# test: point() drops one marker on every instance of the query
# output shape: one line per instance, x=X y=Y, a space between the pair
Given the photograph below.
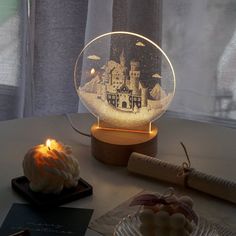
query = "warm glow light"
x=92 y=72
x=125 y=130
x=48 y=143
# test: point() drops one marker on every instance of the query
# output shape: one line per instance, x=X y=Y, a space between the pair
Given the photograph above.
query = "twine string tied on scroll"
x=186 y=167
x=183 y=175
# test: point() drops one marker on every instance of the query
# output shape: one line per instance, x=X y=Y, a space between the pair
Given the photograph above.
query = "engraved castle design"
x=122 y=89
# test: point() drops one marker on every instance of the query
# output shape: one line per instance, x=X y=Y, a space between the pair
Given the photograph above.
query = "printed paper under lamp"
x=126 y=81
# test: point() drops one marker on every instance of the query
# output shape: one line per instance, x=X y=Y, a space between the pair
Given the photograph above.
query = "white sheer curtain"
x=198 y=36
x=226 y=80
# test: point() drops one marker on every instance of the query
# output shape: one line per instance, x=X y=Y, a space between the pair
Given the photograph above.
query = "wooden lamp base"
x=114 y=147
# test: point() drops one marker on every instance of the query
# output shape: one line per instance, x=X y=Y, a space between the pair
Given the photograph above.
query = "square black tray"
x=21 y=185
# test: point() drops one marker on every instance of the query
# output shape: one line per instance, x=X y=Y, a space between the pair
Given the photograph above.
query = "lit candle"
x=48 y=143
x=50 y=167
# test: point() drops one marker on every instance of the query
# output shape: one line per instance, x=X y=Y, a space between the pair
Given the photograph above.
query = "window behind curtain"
x=200 y=38
x=12 y=42
x=9 y=42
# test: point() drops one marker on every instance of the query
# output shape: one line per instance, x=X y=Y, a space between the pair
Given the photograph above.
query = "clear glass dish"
x=129 y=226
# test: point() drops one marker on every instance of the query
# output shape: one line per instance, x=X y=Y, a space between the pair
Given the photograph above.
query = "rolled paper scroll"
x=191 y=178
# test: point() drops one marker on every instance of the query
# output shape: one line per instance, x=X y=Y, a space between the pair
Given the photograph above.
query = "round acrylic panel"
x=124 y=79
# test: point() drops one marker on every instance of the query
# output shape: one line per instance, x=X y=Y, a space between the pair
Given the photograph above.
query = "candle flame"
x=48 y=143
x=92 y=72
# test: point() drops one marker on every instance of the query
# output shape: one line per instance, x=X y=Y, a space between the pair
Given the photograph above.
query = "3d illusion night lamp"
x=126 y=81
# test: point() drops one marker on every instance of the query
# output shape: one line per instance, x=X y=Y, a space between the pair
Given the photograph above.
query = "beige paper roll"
x=212 y=185
x=155 y=168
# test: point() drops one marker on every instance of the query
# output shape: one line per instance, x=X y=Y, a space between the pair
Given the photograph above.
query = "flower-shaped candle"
x=51 y=167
